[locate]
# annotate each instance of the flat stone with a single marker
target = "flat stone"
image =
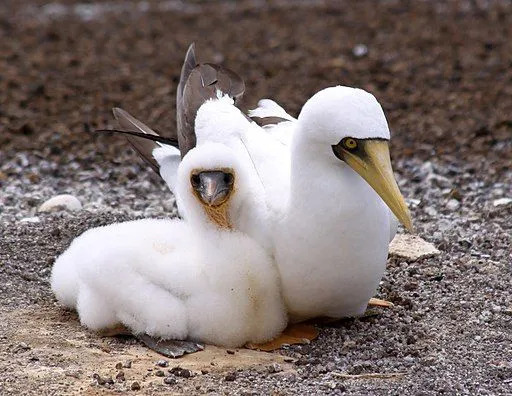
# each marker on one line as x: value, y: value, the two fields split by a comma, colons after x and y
x: 502, y: 202
x: 411, y: 247
x: 30, y: 220
x: 61, y: 202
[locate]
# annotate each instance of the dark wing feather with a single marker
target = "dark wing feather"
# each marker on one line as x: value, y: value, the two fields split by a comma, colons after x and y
x: 264, y: 121
x: 140, y: 136
x: 198, y: 83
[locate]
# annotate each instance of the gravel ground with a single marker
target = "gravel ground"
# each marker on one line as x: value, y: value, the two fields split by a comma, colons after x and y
x: 443, y: 73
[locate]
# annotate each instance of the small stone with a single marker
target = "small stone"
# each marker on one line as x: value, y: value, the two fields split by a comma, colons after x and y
x: 119, y: 366
x: 170, y: 381
x: 478, y: 338
x: 101, y: 380
x: 230, y: 376
x: 496, y: 309
x: 360, y: 50
x: 120, y: 377
x: 162, y: 363
x: 127, y: 364
x: 204, y: 371
x: 98, y: 379
x: 61, y: 202
x: 411, y: 247
x: 429, y: 210
x: 230, y: 352
x: 274, y: 368
x: 502, y: 202
x: 159, y: 373
x: 181, y: 372
x: 453, y: 204
x: 135, y: 386
x: 30, y: 220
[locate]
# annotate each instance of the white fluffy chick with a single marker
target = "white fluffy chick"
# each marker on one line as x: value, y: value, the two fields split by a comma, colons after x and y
x: 196, y: 279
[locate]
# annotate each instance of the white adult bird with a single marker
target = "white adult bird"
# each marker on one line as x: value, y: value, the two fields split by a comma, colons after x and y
x: 331, y: 242
x: 179, y: 279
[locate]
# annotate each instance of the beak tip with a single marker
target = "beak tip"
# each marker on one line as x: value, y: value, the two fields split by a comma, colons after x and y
x: 408, y: 223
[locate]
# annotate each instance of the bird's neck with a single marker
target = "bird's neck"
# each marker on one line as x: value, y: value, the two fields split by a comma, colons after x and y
x: 324, y: 186
x: 219, y: 215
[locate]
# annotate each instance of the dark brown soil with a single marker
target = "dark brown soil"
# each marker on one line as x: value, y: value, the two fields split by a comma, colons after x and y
x: 442, y: 71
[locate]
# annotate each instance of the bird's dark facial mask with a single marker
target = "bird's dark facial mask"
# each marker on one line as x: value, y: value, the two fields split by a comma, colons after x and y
x: 370, y: 159
x: 213, y: 187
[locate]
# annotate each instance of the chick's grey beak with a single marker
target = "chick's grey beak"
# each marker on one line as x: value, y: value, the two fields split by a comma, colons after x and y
x: 213, y: 187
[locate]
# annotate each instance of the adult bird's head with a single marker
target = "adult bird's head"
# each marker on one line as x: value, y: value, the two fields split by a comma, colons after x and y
x: 347, y: 124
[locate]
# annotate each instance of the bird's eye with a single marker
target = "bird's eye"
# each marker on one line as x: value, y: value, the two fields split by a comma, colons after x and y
x: 194, y: 180
x: 229, y: 178
x: 349, y: 143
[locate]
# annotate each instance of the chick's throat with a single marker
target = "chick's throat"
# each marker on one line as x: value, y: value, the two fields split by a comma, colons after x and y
x: 219, y: 215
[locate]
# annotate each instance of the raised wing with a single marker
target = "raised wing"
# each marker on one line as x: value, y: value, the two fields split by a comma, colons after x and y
x: 198, y: 83
x: 142, y: 138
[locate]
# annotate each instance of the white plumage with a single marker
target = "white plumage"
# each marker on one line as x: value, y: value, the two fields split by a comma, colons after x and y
x: 331, y: 239
x: 329, y: 228
x: 177, y: 279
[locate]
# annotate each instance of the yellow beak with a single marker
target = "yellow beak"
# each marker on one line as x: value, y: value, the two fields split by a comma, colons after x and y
x: 374, y: 166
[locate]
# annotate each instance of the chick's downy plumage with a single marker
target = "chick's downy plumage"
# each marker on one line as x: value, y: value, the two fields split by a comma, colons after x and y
x: 177, y: 279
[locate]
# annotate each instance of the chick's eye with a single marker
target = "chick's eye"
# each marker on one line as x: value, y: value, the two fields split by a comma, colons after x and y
x: 349, y: 143
x: 228, y: 178
x: 194, y: 180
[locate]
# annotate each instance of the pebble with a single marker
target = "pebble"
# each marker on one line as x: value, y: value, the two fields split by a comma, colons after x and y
x: 453, y: 204
x: 360, y: 50
x: 162, y: 363
x: 30, y: 220
x: 102, y: 380
x: 181, y: 372
x: 496, y: 309
x: 61, y: 202
x: 411, y: 247
x: 230, y: 376
x: 429, y: 210
x: 159, y: 373
x: 170, y: 381
x: 502, y: 202
x: 274, y: 368
x: 120, y: 377
x: 135, y: 386
x: 127, y: 364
